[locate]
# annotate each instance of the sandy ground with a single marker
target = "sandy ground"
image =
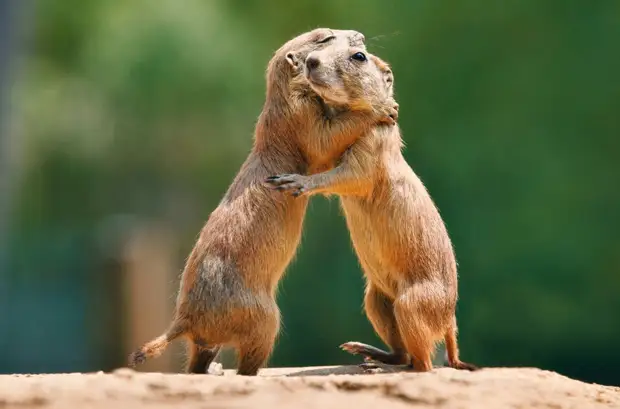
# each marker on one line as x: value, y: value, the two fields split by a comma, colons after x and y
x: 320, y: 387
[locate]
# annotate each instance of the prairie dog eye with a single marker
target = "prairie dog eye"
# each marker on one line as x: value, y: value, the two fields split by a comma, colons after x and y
x: 325, y: 40
x: 359, y: 56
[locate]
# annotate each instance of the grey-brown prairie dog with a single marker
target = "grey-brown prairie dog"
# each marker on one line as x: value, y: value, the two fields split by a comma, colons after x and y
x: 397, y: 232
x: 228, y: 286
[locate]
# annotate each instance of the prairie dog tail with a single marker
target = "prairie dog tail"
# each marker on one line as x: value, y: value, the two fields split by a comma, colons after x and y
x: 157, y: 346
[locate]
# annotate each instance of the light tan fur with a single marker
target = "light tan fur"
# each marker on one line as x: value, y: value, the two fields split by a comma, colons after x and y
x: 397, y: 232
x: 228, y: 287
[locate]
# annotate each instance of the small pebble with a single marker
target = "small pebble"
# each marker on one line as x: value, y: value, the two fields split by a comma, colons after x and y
x: 215, y: 368
x: 124, y: 372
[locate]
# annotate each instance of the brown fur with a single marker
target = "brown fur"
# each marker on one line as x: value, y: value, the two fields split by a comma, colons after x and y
x: 228, y: 287
x: 398, y: 235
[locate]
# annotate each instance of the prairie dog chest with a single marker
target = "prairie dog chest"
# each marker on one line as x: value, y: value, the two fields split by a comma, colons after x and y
x: 369, y: 241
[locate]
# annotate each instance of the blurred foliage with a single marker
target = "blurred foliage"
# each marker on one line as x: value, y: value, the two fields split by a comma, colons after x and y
x: 510, y: 115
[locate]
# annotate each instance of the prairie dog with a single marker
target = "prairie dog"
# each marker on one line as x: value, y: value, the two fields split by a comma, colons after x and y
x: 397, y: 232
x: 228, y: 287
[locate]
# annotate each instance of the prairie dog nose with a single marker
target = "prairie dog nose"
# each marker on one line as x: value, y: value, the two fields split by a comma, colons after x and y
x: 312, y: 62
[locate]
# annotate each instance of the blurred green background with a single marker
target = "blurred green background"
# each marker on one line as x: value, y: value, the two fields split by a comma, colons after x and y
x: 135, y: 116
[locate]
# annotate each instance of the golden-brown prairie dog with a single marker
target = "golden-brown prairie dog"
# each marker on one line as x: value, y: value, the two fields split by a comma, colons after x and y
x: 400, y: 238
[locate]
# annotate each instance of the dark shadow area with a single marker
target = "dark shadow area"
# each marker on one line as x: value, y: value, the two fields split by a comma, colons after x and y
x: 353, y: 370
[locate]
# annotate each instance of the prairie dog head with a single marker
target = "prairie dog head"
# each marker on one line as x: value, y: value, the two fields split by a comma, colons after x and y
x: 285, y: 68
x: 297, y: 49
x: 348, y: 75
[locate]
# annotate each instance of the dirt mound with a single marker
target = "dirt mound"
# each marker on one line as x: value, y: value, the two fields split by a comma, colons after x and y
x: 320, y: 387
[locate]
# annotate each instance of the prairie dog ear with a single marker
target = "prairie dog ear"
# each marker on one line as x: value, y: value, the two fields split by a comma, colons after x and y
x: 385, y: 69
x: 292, y: 59
x: 388, y: 77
